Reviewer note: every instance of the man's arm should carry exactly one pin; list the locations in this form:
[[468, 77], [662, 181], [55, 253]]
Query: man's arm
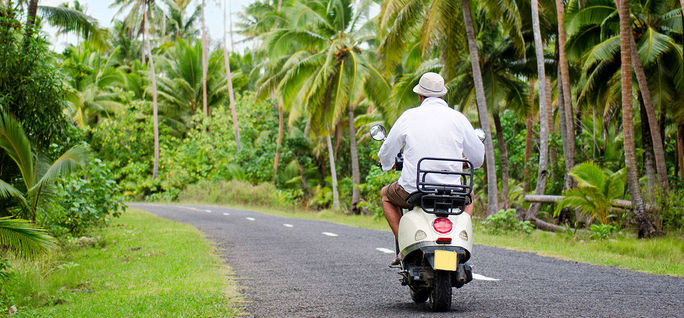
[[392, 145], [473, 148]]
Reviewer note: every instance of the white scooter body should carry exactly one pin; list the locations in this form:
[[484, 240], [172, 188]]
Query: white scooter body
[[416, 230]]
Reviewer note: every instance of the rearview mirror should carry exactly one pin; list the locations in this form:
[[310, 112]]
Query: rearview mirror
[[377, 132], [480, 134]]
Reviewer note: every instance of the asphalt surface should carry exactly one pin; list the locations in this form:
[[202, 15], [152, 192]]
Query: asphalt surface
[[303, 268]]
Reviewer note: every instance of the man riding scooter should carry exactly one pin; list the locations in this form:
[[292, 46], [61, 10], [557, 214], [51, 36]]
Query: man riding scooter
[[433, 129]]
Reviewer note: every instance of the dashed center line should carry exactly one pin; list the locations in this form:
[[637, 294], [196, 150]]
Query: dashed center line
[[250, 219], [208, 211], [288, 225], [385, 250], [329, 234], [482, 277], [226, 214]]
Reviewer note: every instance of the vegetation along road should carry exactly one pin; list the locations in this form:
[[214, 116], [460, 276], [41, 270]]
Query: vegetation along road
[[305, 268]]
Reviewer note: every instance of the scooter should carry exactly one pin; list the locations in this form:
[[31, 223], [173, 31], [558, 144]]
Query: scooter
[[435, 236]]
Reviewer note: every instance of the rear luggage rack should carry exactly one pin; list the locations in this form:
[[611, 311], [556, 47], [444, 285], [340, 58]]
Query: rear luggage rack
[[441, 198]]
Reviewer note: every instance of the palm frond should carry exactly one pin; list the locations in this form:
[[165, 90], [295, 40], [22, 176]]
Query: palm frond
[[24, 237], [7, 191], [72, 159], [14, 141], [70, 20], [653, 45]]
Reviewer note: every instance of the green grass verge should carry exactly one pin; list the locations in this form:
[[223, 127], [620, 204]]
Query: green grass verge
[[663, 255], [143, 266]]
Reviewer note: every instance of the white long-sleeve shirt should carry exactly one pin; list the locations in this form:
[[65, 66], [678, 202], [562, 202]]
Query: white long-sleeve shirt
[[432, 129]]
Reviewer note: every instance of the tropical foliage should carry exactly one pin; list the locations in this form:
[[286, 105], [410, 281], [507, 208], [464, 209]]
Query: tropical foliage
[[314, 76]]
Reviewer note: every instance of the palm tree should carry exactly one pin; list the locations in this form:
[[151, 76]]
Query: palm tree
[[543, 129], [595, 190], [646, 229], [229, 79], [565, 110], [178, 26], [204, 62], [155, 117], [593, 29], [504, 90], [181, 89], [327, 71], [35, 182], [136, 19], [259, 20], [91, 79], [23, 237], [66, 20]]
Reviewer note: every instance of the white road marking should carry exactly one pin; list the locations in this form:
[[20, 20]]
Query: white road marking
[[385, 250], [208, 211], [191, 208], [482, 277], [288, 225], [329, 234], [250, 219], [226, 214]]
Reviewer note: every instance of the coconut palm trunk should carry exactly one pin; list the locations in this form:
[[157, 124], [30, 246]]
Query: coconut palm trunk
[[279, 141], [229, 78], [680, 150], [281, 115], [204, 61], [647, 145], [542, 171], [356, 174], [528, 140], [492, 200], [333, 173], [565, 103], [646, 228], [656, 137], [155, 118], [30, 19], [503, 156]]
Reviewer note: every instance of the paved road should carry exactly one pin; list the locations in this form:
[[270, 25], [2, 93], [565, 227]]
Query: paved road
[[303, 268]]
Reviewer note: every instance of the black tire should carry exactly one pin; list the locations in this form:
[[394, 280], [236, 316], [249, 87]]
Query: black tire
[[440, 295], [420, 295]]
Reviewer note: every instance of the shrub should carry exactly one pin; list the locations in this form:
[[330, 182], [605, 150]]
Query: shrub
[[671, 209], [86, 200], [237, 192], [370, 190], [505, 222], [602, 231]]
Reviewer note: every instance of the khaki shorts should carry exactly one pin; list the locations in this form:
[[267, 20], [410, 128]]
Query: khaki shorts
[[395, 194]]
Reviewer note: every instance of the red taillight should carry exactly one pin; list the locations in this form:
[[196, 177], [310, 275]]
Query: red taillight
[[443, 240], [442, 225]]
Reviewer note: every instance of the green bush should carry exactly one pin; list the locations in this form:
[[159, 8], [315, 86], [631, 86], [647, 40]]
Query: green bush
[[602, 231], [505, 222], [238, 192], [370, 190], [86, 200], [671, 209]]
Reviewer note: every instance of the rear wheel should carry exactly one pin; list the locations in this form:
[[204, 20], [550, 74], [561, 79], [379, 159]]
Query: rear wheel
[[420, 295], [440, 295]]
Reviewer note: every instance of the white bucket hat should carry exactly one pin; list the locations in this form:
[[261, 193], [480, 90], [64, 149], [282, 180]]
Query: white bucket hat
[[430, 85]]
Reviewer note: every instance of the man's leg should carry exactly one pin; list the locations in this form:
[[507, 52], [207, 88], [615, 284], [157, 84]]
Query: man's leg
[[392, 212], [469, 209]]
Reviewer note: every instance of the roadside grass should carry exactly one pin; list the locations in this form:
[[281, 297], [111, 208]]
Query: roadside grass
[[662, 255], [139, 266]]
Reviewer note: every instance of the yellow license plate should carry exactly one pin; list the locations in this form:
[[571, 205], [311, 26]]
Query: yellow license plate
[[446, 260]]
